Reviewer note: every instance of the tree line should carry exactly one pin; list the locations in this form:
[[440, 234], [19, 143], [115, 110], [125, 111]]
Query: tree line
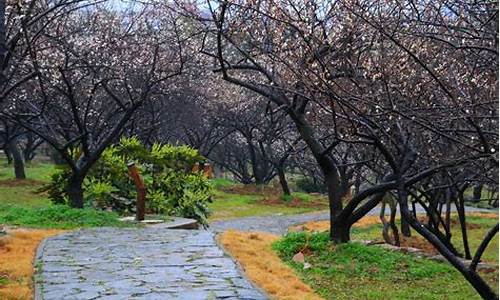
[[392, 102]]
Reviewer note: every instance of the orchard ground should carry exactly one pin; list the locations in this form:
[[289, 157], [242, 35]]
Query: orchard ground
[[30, 217]]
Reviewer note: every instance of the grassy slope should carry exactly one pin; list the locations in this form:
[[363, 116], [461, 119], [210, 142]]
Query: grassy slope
[[24, 194], [230, 205], [356, 271]]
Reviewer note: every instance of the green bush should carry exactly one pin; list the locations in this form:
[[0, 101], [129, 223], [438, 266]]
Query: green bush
[[99, 192], [308, 185], [166, 169], [56, 188]]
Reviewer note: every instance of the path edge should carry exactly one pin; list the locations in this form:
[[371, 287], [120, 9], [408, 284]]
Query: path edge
[[37, 270], [238, 266]]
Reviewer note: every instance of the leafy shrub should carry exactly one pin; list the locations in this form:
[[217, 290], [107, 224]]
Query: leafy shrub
[[99, 192], [171, 187], [308, 185], [56, 188]]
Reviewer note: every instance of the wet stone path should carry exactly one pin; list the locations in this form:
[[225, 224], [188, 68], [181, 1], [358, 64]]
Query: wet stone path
[[152, 262], [279, 224], [138, 263]]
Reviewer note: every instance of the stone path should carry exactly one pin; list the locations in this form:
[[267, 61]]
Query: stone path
[[151, 263], [279, 224], [138, 263]]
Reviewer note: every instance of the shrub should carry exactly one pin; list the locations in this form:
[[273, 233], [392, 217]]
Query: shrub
[[99, 192], [56, 188], [308, 185], [171, 187]]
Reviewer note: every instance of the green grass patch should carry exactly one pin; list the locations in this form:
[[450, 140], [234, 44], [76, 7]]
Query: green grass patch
[[357, 271], [24, 196], [57, 216], [24, 192], [232, 205], [35, 170], [221, 183], [478, 226]]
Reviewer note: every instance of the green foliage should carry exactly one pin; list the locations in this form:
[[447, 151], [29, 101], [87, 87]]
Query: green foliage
[[222, 183], [99, 191], [287, 198], [171, 188], [56, 188], [308, 185], [181, 194], [57, 216]]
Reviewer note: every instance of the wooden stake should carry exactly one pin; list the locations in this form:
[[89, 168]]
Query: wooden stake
[[141, 191]]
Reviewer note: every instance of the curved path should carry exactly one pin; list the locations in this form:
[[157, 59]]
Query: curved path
[[152, 262], [138, 263], [279, 224]]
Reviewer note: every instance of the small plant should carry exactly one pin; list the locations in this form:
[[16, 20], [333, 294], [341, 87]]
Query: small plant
[[57, 186], [287, 198]]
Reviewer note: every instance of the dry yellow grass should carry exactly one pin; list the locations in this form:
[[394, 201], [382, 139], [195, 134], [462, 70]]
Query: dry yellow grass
[[264, 267], [17, 251], [487, 215], [325, 225], [367, 221]]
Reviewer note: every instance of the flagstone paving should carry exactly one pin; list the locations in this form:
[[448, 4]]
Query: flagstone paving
[[152, 262], [279, 224], [138, 263]]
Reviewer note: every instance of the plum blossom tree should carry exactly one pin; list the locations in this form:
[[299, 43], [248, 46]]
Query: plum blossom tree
[[412, 83], [97, 67]]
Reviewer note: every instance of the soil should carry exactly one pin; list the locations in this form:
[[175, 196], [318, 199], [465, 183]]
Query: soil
[[454, 222], [20, 182], [295, 202]]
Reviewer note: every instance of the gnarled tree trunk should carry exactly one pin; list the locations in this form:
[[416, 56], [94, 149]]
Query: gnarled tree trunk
[[17, 158], [75, 190]]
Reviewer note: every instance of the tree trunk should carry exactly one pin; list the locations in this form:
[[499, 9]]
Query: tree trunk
[[339, 229], [17, 157], [283, 182], [483, 289], [476, 192], [463, 225], [75, 190], [405, 228], [340, 232], [8, 155]]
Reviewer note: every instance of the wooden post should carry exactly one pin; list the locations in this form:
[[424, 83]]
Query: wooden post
[[141, 191]]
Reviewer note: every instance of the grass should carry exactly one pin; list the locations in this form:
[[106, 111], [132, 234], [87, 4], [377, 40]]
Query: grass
[[35, 170], [24, 192], [264, 267], [220, 183], [478, 225], [357, 271], [233, 205], [17, 252], [57, 216], [234, 200], [22, 205]]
